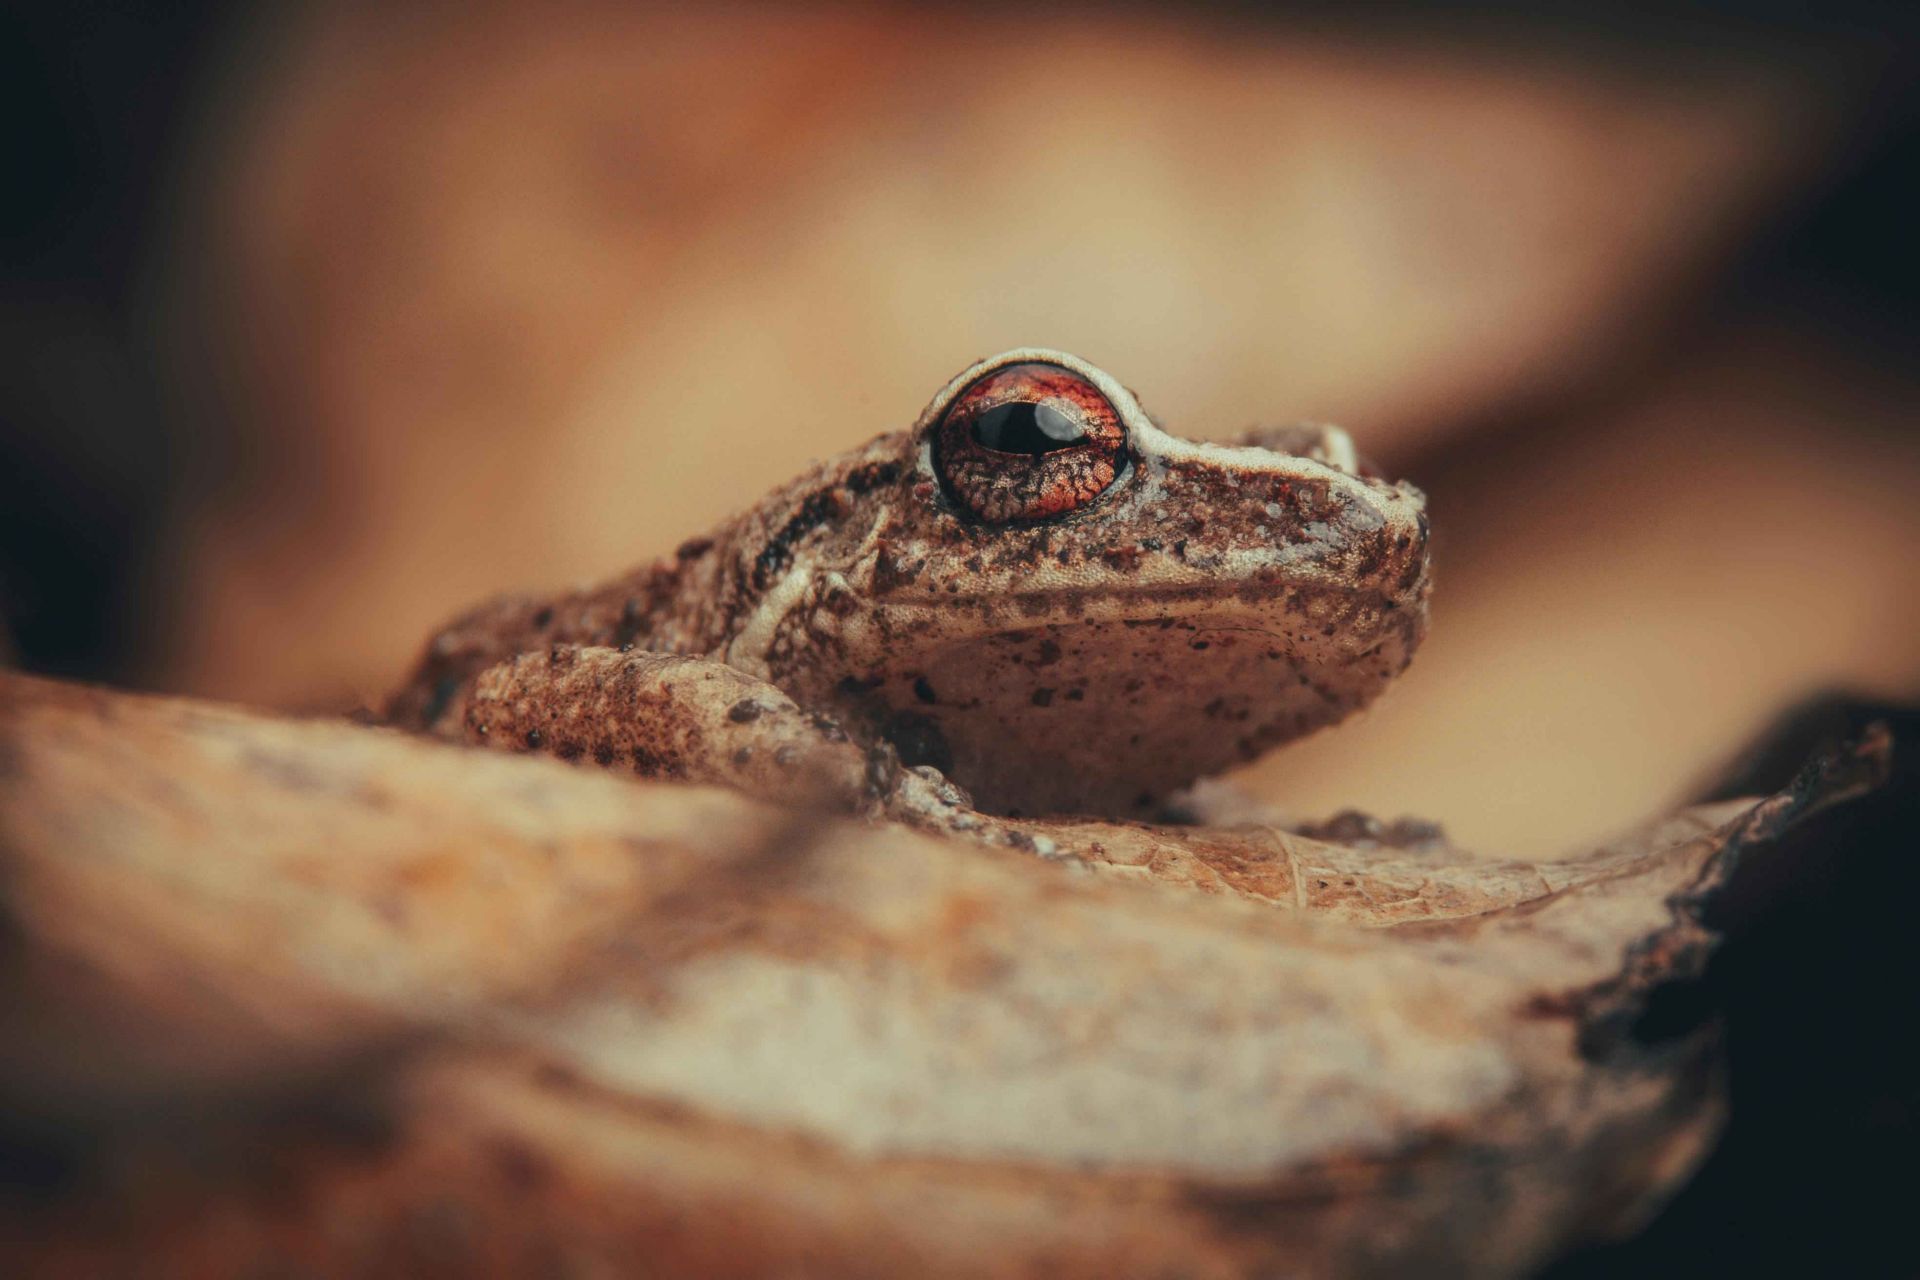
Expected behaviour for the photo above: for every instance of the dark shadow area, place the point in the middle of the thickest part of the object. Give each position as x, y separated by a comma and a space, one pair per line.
98, 96
1815, 984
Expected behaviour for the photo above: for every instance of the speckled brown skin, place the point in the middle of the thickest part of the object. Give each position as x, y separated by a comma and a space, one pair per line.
1211, 602
694, 720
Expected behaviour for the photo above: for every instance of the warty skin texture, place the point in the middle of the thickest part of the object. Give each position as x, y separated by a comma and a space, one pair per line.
1213, 601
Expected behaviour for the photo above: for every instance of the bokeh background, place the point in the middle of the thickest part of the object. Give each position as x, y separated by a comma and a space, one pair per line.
319, 323
324, 324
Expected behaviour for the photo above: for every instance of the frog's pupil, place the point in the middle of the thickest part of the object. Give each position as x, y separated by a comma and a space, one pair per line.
1026, 428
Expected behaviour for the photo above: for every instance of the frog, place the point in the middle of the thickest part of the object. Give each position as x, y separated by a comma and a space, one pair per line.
1035, 601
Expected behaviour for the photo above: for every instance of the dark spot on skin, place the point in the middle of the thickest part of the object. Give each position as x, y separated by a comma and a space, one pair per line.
854, 685
745, 711
1144, 800
924, 691
1415, 563
535, 739
1043, 697
1076, 694
840, 601
1201, 644
919, 741
569, 751
1150, 544
817, 509
864, 480
743, 755
1370, 558
1047, 654
603, 754
544, 618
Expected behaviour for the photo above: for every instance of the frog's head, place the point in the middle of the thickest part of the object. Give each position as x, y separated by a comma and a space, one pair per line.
1070, 610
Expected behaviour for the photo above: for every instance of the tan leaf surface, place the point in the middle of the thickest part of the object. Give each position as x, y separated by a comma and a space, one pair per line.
326, 994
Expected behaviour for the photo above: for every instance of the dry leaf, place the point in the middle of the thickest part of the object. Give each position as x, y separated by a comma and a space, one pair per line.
304, 993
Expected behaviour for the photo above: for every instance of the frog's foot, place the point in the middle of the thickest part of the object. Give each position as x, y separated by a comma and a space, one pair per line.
918, 795
1359, 830
1211, 802
693, 719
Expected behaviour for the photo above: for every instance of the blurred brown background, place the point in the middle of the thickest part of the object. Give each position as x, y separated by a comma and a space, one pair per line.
351, 316
318, 326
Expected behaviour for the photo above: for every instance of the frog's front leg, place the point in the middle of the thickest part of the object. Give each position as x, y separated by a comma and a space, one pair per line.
696, 720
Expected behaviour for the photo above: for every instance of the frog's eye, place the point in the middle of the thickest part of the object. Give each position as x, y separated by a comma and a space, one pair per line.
1028, 442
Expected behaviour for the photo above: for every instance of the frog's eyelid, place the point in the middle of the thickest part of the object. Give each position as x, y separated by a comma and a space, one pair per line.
1125, 405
